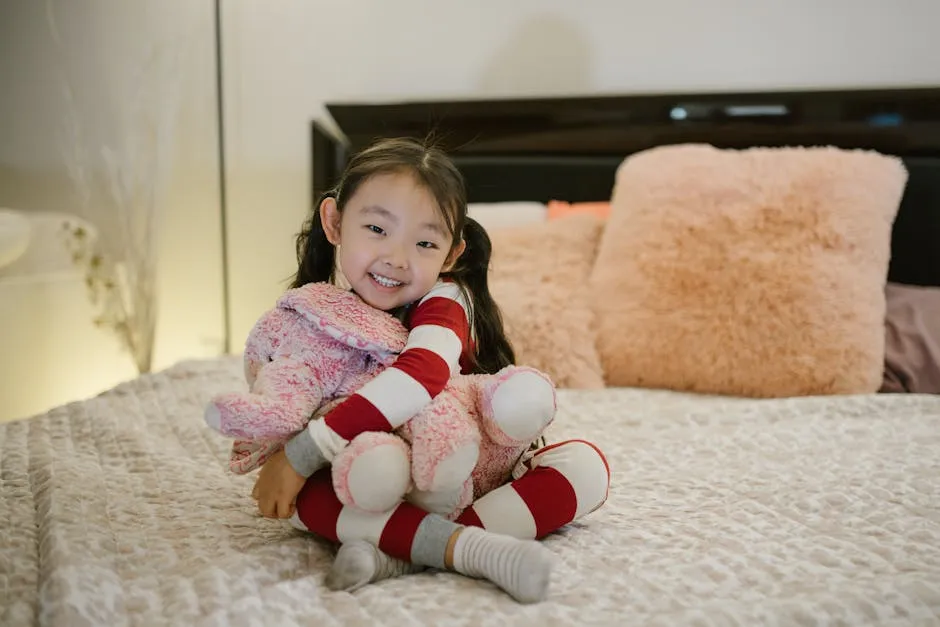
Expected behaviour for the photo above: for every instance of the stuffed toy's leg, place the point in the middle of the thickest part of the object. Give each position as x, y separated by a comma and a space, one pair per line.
516, 405
373, 472
283, 397
445, 444
448, 503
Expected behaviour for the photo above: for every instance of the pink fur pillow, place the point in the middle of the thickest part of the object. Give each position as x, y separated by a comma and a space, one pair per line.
539, 278
755, 273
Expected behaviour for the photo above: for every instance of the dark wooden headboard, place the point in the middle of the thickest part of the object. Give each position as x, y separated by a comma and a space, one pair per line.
569, 148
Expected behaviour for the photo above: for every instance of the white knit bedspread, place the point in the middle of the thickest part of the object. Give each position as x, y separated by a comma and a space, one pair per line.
119, 511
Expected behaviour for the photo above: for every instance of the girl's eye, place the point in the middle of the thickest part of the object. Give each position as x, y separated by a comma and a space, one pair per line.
375, 229
427, 244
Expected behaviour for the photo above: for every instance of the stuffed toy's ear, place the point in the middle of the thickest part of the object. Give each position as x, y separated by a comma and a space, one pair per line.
345, 317
247, 455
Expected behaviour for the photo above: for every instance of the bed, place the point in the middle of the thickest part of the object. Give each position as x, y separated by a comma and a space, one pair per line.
819, 509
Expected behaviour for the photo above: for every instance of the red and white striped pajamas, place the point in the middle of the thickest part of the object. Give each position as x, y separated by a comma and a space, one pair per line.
438, 337
438, 347
552, 486
558, 484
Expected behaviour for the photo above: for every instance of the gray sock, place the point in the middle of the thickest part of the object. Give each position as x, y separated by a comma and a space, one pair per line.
359, 563
430, 543
303, 454
520, 567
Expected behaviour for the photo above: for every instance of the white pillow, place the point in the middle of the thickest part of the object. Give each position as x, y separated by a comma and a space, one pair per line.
48, 250
497, 215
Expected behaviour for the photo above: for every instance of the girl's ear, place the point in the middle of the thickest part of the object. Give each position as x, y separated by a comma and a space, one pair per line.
331, 218
454, 256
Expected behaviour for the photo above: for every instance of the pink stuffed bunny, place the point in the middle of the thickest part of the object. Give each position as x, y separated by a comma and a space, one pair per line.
317, 347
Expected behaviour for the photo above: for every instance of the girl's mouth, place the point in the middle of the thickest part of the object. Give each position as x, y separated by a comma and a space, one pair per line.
384, 281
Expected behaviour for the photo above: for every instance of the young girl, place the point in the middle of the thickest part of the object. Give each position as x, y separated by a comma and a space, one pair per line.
396, 226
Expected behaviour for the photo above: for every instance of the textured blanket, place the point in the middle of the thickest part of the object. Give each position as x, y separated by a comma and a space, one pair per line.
120, 511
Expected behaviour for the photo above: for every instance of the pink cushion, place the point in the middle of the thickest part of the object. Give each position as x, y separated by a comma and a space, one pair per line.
539, 277
560, 208
755, 273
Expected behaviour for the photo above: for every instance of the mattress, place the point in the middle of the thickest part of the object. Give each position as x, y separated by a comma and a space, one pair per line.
119, 510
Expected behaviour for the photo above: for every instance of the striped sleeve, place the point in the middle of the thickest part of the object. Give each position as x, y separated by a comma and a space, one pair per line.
440, 333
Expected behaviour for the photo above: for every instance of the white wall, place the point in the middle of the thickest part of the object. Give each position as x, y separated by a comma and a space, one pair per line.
283, 59
103, 44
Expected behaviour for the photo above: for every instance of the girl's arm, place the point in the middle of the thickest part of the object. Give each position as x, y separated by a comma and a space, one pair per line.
440, 334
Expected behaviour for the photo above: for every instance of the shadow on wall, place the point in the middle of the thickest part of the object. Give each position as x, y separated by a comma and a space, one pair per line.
548, 55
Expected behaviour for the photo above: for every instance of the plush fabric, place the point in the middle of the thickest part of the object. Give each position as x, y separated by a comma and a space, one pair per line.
120, 511
560, 208
756, 273
321, 344
539, 278
912, 339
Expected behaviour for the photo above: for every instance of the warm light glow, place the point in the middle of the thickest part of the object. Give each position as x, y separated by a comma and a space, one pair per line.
52, 351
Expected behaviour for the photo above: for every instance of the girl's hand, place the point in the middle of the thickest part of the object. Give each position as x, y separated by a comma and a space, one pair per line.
277, 487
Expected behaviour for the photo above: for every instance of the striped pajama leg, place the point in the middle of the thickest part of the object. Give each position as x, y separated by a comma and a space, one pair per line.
319, 511
560, 483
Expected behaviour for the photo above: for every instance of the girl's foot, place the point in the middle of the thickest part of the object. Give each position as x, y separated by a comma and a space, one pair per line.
359, 563
520, 567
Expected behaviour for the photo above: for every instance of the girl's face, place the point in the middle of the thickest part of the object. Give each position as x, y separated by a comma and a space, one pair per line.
393, 242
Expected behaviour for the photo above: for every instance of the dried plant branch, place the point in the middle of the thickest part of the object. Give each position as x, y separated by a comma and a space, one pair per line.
120, 183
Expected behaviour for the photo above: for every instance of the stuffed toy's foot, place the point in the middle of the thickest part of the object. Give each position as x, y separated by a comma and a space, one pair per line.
445, 444
516, 405
359, 563
253, 417
373, 472
447, 503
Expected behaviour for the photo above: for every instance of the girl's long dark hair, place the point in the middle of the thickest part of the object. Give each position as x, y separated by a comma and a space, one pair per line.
316, 256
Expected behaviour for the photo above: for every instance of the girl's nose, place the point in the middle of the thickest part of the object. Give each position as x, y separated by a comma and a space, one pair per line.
396, 257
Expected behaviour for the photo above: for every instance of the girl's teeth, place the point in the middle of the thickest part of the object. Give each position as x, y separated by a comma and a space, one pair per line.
381, 280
